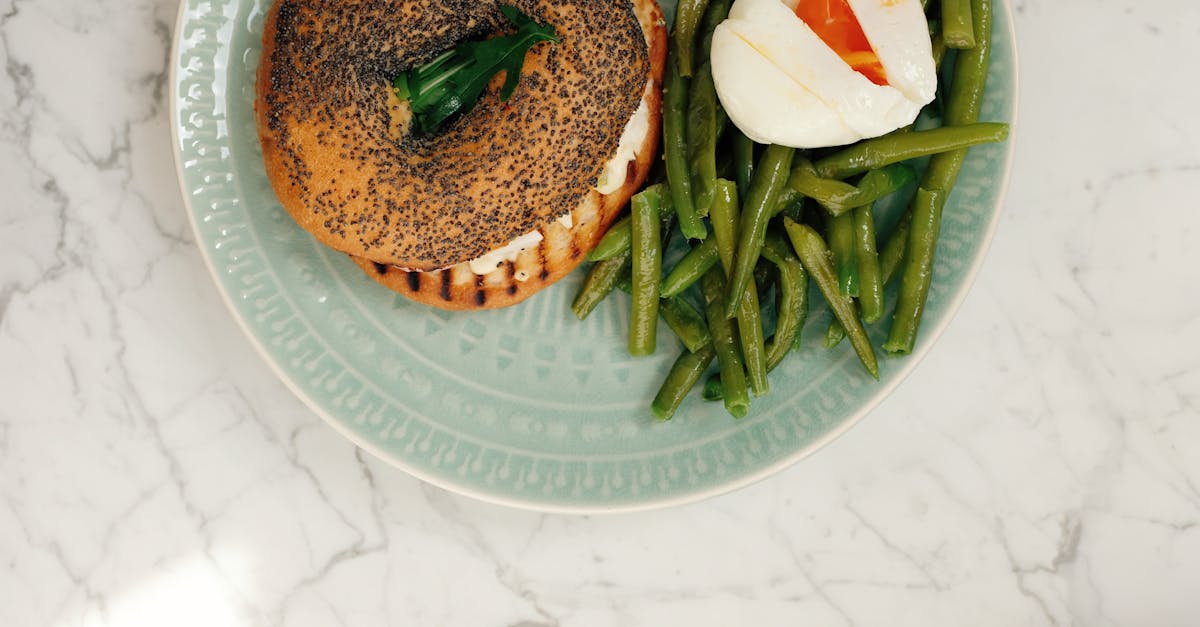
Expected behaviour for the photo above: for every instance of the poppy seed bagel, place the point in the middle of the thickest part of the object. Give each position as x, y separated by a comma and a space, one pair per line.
327, 122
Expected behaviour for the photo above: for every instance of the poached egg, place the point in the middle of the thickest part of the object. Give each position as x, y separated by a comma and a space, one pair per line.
817, 73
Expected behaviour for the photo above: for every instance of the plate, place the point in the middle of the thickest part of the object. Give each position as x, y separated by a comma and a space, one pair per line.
524, 406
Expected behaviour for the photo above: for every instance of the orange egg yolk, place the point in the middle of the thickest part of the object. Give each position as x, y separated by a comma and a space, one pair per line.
837, 26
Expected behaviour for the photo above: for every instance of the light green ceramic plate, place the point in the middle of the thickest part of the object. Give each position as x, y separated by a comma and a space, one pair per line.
525, 406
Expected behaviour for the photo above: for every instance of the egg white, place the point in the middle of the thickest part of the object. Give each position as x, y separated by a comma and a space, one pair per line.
780, 83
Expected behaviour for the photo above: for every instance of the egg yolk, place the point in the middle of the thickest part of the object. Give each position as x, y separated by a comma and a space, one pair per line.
835, 23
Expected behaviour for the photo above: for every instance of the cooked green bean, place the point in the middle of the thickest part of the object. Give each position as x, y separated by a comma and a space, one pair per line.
702, 137
790, 204
875, 153
716, 13
938, 44
688, 14
963, 103
866, 255
793, 299
834, 334
816, 259
687, 323
965, 97
724, 217
724, 340
957, 29
675, 150
839, 232
881, 182
619, 236
830, 193
646, 274
713, 390
892, 254
792, 289
743, 161
616, 240
838, 197
770, 177
691, 268
600, 281
680, 315
685, 372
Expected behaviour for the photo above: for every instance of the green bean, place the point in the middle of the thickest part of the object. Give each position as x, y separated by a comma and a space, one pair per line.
770, 177
816, 259
829, 193
965, 98
838, 197
600, 281
716, 13
834, 334
743, 161
689, 269
917, 272
792, 288
724, 217
839, 231
619, 237
956, 24
688, 14
963, 103
675, 150
687, 323
702, 137
938, 45
685, 372
892, 254
793, 299
896, 147
790, 204
866, 254
881, 182
713, 390
724, 339
646, 277
616, 240
680, 315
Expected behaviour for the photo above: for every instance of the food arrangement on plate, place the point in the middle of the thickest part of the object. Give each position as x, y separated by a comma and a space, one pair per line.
467, 155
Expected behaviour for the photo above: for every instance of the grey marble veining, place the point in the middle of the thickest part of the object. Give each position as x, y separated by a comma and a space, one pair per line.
1041, 467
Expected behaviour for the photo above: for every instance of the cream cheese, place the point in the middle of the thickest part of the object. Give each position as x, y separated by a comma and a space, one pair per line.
488, 262
611, 179
632, 138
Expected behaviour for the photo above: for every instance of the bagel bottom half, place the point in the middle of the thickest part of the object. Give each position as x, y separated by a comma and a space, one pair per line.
562, 248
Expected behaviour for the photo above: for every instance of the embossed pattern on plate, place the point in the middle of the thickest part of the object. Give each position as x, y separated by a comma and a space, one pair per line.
524, 406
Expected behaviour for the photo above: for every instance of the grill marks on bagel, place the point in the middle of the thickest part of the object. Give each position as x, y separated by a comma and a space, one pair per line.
501, 170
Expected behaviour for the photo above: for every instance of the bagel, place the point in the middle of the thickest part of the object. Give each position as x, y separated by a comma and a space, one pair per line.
421, 213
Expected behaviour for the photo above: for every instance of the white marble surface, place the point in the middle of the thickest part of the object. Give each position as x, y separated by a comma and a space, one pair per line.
1041, 467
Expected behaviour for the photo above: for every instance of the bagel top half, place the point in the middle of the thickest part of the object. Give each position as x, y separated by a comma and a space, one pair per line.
340, 166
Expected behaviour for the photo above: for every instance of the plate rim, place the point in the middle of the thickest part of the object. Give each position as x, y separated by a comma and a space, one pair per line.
687, 497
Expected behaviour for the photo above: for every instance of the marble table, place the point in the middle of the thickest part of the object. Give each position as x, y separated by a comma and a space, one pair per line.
1041, 467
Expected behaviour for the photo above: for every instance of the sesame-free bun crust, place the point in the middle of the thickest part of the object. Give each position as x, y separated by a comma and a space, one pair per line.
326, 116
561, 248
